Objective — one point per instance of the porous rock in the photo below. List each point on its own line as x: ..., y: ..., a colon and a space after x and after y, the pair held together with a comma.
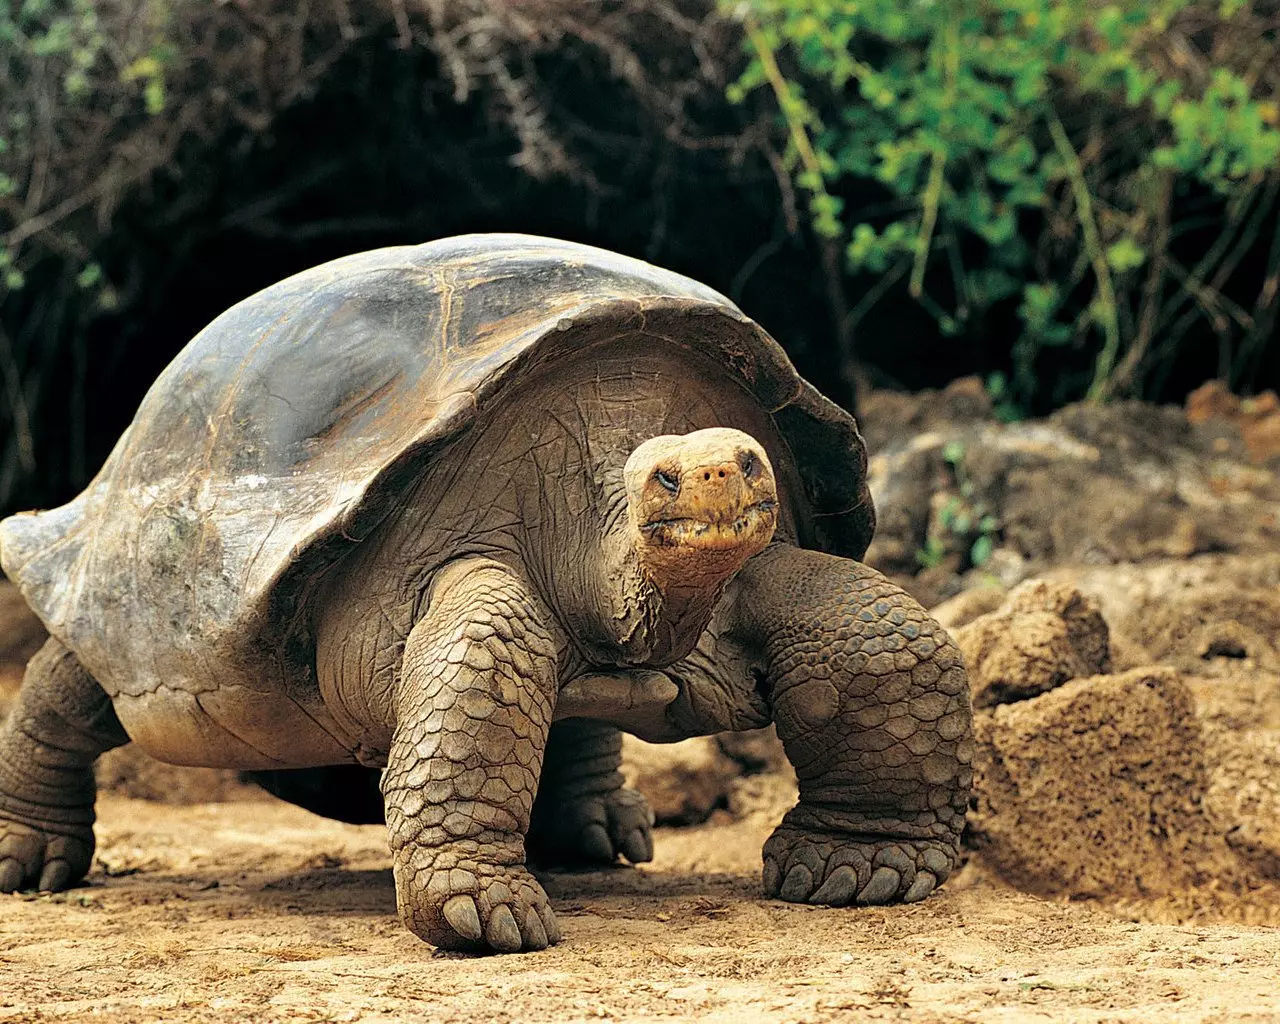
x: 1257, y: 418
x: 1126, y: 482
x: 127, y: 771
x: 1243, y: 797
x: 1096, y: 790
x: 755, y: 751
x: 684, y: 782
x: 1213, y: 615
x: 1043, y: 635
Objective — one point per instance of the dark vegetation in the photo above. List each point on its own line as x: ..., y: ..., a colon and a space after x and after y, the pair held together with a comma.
x: 160, y: 161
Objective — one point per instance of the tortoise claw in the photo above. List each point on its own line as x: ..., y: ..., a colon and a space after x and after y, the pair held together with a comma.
x: 835, y: 870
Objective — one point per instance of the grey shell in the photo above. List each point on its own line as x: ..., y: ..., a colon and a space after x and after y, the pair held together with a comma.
x: 283, y: 433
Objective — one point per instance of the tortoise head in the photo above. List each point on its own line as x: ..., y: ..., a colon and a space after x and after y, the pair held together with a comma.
x: 699, y: 505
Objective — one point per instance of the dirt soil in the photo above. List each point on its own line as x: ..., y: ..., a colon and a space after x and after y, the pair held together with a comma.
x: 256, y: 911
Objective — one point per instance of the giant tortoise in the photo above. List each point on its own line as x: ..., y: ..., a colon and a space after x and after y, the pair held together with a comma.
x: 462, y: 511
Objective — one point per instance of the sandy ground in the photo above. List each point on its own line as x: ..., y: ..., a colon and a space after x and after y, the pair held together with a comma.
x: 257, y: 911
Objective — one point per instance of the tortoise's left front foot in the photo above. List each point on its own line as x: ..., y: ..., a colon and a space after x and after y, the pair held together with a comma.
x: 584, y: 814
x: 803, y: 866
x: 872, y: 705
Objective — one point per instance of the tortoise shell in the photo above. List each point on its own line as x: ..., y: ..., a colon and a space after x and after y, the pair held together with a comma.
x: 282, y: 434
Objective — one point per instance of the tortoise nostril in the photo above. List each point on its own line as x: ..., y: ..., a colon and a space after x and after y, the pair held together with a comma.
x: 706, y: 476
x: 722, y: 474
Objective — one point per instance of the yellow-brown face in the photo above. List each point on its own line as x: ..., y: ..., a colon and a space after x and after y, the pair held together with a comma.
x: 700, y: 504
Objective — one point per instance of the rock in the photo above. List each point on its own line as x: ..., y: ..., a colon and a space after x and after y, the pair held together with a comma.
x: 1090, y: 484
x: 886, y: 417
x: 968, y: 605
x: 1243, y: 797
x: 1213, y: 615
x: 1257, y: 419
x: 1095, y: 790
x: 684, y: 782
x: 756, y: 751
x: 1043, y: 635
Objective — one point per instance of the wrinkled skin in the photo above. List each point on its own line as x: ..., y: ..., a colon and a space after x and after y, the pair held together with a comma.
x: 533, y: 593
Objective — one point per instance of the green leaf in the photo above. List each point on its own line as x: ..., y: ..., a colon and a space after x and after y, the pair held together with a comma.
x: 89, y: 276
x: 153, y: 95
x: 980, y: 553
x: 143, y: 67
x: 931, y: 555
x: 1125, y: 255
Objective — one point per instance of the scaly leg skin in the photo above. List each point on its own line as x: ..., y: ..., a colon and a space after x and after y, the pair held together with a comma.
x: 473, y: 707
x: 872, y: 704
x: 62, y: 722
x: 583, y: 813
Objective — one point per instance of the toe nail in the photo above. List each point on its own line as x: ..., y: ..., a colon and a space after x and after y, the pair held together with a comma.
x: 460, y: 912
x: 923, y: 885
x: 896, y: 859
x: 56, y: 875
x: 535, y: 935
x: 10, y: 876
x: 502, y: 932
x: 798, y: 884
x: 770, y: 877
x: 937, y: 862
x: 884, y: 883
x: 635, y: 849
x: 550, y: 924
x: 596, y: 844
x: 839, y: 889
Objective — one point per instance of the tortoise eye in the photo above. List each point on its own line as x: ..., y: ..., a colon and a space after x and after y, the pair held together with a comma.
x: 667, y: 481
x: 749, y: 464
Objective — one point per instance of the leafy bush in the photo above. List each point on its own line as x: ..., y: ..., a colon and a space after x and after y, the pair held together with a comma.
x: 1103, y: 128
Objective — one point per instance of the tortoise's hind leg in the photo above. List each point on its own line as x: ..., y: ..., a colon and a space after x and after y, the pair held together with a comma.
x: 62, y: 721
x: 584, y: 813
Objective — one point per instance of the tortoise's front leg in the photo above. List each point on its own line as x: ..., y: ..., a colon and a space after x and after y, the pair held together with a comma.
x: 872, y: 704
x: 472, y: 710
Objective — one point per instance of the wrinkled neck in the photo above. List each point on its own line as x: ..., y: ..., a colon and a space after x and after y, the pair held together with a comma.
x: 651, y: 623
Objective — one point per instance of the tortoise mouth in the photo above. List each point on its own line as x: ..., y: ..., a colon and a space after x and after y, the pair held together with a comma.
x: 713, y: 534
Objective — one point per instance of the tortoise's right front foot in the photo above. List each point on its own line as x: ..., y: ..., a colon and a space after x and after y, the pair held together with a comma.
x: 473, y: 709
x: 834, y: 869
x: 872, y: 705
x: 462, y: 897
